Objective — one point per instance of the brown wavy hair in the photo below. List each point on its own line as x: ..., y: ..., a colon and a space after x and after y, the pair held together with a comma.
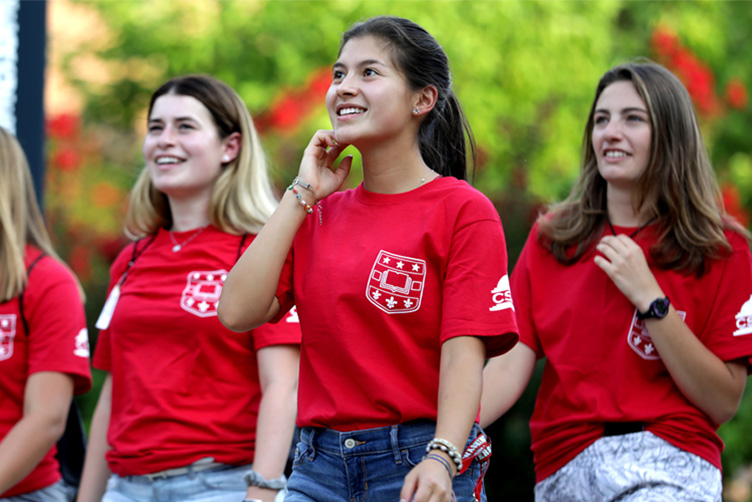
x: 677, y: 190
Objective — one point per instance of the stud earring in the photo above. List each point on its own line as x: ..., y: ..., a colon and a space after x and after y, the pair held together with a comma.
x: 415, y: 111
x: 226, y: 159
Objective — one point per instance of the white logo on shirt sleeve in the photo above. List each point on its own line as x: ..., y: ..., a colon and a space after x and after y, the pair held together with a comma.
x: 82, y: 344
x: 501, y: 295
x: 7, y: 334
x: 744, y: 319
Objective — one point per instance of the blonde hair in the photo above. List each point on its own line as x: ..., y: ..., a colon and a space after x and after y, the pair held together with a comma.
x: 21, y: 220
x: 242, y: 199
x: 677, y: 189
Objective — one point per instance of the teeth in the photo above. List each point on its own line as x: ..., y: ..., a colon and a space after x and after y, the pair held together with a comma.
x: 350, y: 111
x: 168, y: 160
x: 614, y: 153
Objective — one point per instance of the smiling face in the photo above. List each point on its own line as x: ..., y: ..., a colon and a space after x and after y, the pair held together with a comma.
x: 369, y: 101
x: 621, y: 134
x: 182, y: 149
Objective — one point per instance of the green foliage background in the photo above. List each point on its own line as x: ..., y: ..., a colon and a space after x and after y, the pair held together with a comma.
x: 524, y: 70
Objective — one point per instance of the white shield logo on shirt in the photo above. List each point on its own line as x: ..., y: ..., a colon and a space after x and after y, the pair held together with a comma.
x: 7, y: 334
x: 201, y: 294
x: 396, y: 282
x: 639, y: 338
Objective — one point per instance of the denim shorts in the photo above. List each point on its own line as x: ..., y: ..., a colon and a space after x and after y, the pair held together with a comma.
x: 367, y: 465
x: 224, y: 484
x: 57, y: 492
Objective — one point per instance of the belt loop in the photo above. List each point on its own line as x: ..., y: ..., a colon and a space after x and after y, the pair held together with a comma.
x: 310, y: 432
x: 394, y: 434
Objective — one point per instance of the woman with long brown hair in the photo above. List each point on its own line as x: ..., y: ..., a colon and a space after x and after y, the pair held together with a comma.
x: 636, y: 290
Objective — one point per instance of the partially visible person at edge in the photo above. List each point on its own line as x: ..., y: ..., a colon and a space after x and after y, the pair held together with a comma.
x: 401, y: 283
x: 636, y: 290
x: 187, y: 407
x: 44, y: 346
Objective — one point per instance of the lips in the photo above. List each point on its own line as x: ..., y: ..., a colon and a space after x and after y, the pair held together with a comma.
x: 167, y: 160
x: 615, y: 154
x: 350, y: 110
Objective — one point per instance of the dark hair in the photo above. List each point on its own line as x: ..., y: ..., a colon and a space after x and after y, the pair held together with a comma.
x: 445, y: 134
x: 677, y: 189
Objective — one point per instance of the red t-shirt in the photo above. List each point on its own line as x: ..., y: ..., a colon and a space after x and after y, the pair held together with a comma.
x: 601, y: 364
x: 379, y: 286
x: 57, y: 341
x: 184, y: 386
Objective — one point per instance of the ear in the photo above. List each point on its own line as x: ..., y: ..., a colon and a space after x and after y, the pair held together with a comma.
x: 425, y: 100
x: 231, y: 146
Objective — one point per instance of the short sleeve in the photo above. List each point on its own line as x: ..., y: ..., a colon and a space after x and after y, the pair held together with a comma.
x: 476, y: 297
x: 58, y: 339
x: 285, y: 294
x: 728, y: 332
x: 286, y: 331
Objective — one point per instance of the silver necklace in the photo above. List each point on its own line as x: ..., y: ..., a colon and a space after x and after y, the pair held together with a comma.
x: 177, y: 246
x: 424, y: 178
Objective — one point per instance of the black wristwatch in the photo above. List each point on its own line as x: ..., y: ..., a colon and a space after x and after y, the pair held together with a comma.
x: 657, y: 310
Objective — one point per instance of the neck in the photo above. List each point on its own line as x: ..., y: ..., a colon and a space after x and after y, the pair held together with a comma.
x: 188, y: 215
x: 396, y: 169
x: 621, y: 211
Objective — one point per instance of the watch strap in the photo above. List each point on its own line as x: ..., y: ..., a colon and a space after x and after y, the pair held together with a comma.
x: 658, y: 309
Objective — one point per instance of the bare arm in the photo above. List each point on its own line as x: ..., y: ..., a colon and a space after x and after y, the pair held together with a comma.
x: 96, y: 472
x: 504, y: 380
x: 246, y: 304
x: 278, y: 372
x: 714, y: 386
x: 460, y: 383
x: 47, y: 398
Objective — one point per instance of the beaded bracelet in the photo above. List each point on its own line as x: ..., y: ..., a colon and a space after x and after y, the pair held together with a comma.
x: 443, y: 462
x: 448, y: 448
x: 308, y: 209
x: 299, y: 182
x: 303, y: 203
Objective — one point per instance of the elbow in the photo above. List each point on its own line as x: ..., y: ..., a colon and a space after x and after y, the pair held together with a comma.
x: 235, y: 319
x: 725, y: 412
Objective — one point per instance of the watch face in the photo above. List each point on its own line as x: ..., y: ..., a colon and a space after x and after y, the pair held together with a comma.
x: 660, y: 307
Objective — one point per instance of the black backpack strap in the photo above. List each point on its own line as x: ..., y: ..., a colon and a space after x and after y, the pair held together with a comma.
x: 20, y: 295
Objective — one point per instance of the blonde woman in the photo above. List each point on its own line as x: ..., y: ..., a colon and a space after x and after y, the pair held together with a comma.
x: 44, y: 351
x: 188, y: 407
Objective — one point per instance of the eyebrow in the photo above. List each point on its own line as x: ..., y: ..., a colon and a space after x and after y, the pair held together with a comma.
x: 177, y: 119
x: 623, y: 110
x: 365, y: 62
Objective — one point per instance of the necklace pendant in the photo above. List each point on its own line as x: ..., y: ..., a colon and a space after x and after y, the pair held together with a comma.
x: 176, y: 248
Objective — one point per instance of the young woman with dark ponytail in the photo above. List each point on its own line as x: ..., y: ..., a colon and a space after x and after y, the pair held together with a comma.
x: 401, y: 284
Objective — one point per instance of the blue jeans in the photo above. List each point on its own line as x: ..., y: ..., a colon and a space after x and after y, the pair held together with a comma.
x: 58, y: 492
x: 224, y: 484
x: 366, y: 466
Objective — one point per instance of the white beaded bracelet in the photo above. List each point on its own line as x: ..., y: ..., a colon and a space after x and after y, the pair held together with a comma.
x: 448, y: 448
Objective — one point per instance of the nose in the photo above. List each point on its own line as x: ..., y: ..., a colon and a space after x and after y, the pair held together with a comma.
x: 613, y: 130
x: 166, y: 137
x: 347, y: 86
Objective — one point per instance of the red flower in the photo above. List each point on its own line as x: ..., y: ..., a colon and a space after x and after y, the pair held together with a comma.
x: 664, y: 41
x: 736, y: 94
x: 733, y: 202
x: 67, y: 159
x: 63, y: 126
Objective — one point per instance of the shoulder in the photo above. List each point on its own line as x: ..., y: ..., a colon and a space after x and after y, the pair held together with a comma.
x: 47, y: 272
x: 463, y: 198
